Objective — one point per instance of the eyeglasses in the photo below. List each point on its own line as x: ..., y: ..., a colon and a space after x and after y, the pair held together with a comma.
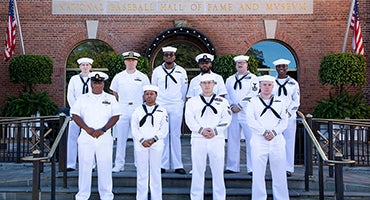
x: 168, y: 54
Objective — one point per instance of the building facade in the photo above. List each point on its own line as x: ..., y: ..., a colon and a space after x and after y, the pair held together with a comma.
x: 311, y: 29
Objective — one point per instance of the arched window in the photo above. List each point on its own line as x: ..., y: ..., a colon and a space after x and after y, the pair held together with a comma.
x: 268, y: 51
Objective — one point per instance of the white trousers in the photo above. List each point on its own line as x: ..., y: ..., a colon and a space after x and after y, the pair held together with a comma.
x: 73, y: 132
x: 122, y: 130
x: 171, y: 157
x: 233, y: 144
x: 289, y: 135
x: 148, y: 165
x: 102, y: 149
x: 214, y: 148
x: 274, y: 152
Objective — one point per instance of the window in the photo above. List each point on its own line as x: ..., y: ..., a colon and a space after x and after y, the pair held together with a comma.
x: 268, y: 51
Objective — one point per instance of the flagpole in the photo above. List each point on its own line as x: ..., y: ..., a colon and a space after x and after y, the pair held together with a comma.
x: 348, y: 24
x: 19, y: 26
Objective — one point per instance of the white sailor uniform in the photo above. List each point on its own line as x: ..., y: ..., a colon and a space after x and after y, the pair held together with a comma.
x: 148, y: 124
x: 129, y: 88
x: 240, y: 88
x: 195, y: 89
x: 211, y: 112
x: 95, y: 111
x: 77, y: 86
x: 172, y: 84
x: 288, y: 90
x: 269, y: 115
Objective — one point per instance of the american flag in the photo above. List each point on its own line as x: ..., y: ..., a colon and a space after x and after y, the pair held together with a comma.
x: 357, y: 42
x: 10, y: 33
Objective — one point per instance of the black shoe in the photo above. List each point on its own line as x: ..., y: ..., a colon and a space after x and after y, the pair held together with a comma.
x: 163, y: 171
x: 229, y: 171
x: 288, y: 174
x: 180, y: 171
x: 70, y: 169
x: 250, y: 173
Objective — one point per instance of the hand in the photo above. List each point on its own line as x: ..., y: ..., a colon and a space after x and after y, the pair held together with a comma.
x: 269, y: 135
x: 235, y: 108
x: 208, y: 133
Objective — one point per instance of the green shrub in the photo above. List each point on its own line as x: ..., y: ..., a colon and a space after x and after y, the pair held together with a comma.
x: 28, y: 104
x: 342, y: 106
x: 30, y: 70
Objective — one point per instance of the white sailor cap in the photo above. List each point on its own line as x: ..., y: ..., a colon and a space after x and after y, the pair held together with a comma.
x: 169, y: 49
x: 207, y: 77
x: 131, y: 55
x: 266, y: 78
x: 85, y: 60
x: 150, y: 87
x: 241, y: 58
x: 98, y: 76
x: 204, y: 57
x: 281, y: 62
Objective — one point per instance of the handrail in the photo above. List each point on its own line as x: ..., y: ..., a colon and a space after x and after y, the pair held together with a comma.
x: 317, y: 144
x: 54, y: 147
x: 338, y: 163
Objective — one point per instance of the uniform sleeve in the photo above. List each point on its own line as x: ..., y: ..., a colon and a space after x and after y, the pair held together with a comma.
x: 228, y: 88
x: 155, y: 77
x: 163, y: 126
x: 190, y: 119
x: 255, y: 125
x: 184, y: 87
x: 114, y: 84
x: 295, y: 103
x: 71, y: 98
x: 283, y: 122
x: 76, y: 107
x: 190, y: 92
x: 221, y: 87
x: 146, y: 80
x: 225, y: 117
x: 135, y: 125
x: 115, y: 107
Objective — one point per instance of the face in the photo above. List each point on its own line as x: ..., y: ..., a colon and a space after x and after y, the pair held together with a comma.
x: 150, y: 97
x: 207, y: 86
x: 281, y: 70
x: 85, y: 67
x: 97, y: 87
x: 241, y: 66
x: 169, y: 57
x: 266, y: 87
x: 205, y: 67
x: 130, y: 64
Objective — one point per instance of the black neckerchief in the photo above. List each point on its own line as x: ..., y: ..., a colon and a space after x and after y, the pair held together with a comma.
x: 143, y: 120
x: 208, y: 104
x: 85, y: 87
x: 169, y: 74
x: 238, y: 81
x: 282, y: 87
x: 269, y: 107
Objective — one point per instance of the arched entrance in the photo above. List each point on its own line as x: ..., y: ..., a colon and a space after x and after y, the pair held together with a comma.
x: 188, y: 41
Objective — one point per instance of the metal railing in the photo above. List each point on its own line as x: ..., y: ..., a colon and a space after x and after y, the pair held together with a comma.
x: 37, y: 159
x: 323, y: 159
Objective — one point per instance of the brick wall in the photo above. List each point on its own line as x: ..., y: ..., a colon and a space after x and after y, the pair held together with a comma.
x: 310, y: 36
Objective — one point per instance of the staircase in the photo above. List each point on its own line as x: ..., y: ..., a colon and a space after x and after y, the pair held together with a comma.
x: 16, y: 182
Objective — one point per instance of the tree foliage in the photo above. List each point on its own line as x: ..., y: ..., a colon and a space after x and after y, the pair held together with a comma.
x: 30, y: 70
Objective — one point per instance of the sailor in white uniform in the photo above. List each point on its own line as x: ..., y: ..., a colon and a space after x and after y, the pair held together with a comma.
x: 127, y: 87
x: 288, y: 89
x: 267, y: 119
x: 149, y: 125
x: 172, y: 81
x: 79, y: 84
x: 207, y: 115
x: 204, y: 61
x: 240, y: 86
x: 95, y: 112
